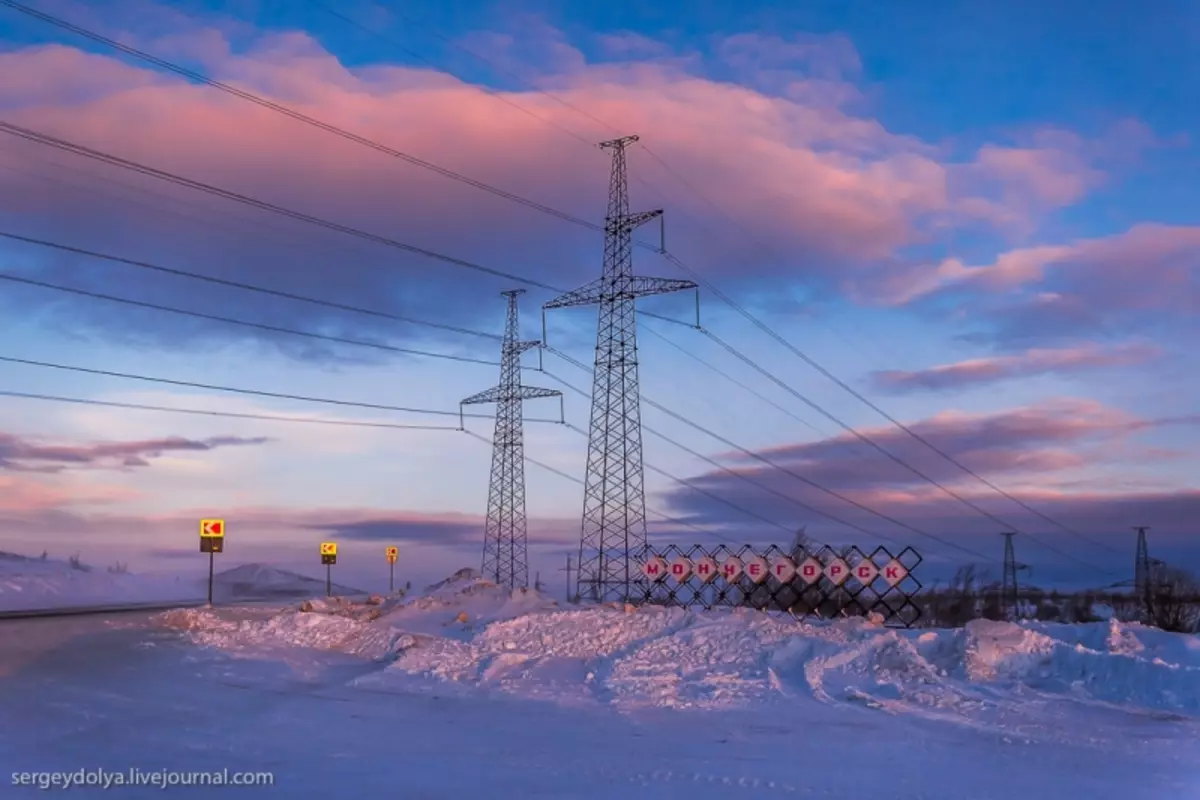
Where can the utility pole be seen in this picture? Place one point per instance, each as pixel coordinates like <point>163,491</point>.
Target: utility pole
<point>613,529</point>
<point>505,558</point>
<point>1008,590</point>
<point>568,571</point>
<point>1142,579</point>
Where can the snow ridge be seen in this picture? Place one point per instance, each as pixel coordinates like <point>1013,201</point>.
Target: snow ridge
<point>469,635</point>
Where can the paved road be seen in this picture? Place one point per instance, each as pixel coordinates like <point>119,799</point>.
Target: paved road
<point>120,608</point>
<point>158,605</point>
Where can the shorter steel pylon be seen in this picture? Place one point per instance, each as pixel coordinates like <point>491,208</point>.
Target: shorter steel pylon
<point>505,557</point>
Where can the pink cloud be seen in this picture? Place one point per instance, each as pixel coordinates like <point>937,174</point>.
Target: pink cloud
<point>982,371</point>
<point>1058,437</point>
<point>1150,266</point>
<point>866,191</point>
<point>1055,177</point>
<point>1056,457</point>
<point>833,198</point>
<point>17,453</point>
<point>1013,187</point>
<point>22,495</point>
<point>629,46</point>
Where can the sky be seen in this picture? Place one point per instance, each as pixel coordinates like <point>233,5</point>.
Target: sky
<point>977,229</point>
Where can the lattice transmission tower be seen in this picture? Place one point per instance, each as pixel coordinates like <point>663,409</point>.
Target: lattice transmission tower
<point>1009,593</point>
<point>1142,575</point>
<point>505,558</point>
<point>613,531</point>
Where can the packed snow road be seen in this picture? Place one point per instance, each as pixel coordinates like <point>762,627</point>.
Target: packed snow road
<point>469,692</point>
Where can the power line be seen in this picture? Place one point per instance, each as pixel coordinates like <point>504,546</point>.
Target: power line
<point>391,8</point>
<point>733,473</point>
<point>684,482</point>
<point>230,414</point>
<point>182,273</point>
<point>116,161</point>
<point>862,437</point>
<point>858,395</point>
<point>291,113</point>
<point>729,301</point>
<point>245,323</point>
<point>87,152</point>
<point>735,381</point>
<point>579,482</point>
<point>242,391</point>
<point>317,421</point>
<point>759,457</point>
<point>412,53</point>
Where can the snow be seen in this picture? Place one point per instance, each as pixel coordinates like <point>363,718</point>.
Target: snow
<point>473,690</point>
<point>35,583</point>
<point>29,583</point>
<point>470,634</point>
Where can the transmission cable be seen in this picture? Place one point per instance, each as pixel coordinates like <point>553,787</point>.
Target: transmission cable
<point>733,304</point>
<point>231,321</point>
<point>735,381</point>
<point>182,273</point>
<point>393,9</point>
<point>580,482</point>
<point>116,161</point>
<point>62,144</point>
<point>876,446</point>
<point>229,414</point>
<point>484,89</point>
<point>292,113</point>
<point>731,472</point>
<point>252,392</point>
<point>192,75</point>
<point>759,457</point>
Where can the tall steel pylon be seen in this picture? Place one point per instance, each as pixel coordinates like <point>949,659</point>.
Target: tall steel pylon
<point>505,559</point>
<point>613,532</point>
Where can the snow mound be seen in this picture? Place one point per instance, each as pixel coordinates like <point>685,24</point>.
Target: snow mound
<point>470,635</point>
<point>459,580</point>
<point>213,628</point>
<point>440,611</point>
<point>1110,662</point>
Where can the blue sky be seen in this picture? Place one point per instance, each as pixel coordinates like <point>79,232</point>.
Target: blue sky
<point>996,204</point>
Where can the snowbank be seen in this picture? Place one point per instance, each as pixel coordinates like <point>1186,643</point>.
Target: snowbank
<point>30,583</point>
<point>470,635</point>
<point>34,583</point>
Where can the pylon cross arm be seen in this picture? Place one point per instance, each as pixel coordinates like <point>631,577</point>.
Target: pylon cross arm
<point>498,393</point>
<point>534,392</point>
<point>629,222</point>
<point>521,347</point>
<point>603,289</point>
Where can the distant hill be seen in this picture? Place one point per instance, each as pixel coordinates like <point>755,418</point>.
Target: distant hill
<point>262,582</point>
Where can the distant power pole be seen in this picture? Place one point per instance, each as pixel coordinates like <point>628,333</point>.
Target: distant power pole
<point>1009,585</point>
<point>570,586</point>
<point>505,559</point>
<point>1142,580</point>
<point>613,531</point>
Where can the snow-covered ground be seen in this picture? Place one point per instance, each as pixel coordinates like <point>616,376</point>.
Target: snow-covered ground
<point>35,583</point>
<point>469,690</point>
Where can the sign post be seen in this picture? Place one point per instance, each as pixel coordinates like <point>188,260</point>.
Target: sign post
<point>328,558</point>
<point>392,554</point>
<point>212,541</point>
